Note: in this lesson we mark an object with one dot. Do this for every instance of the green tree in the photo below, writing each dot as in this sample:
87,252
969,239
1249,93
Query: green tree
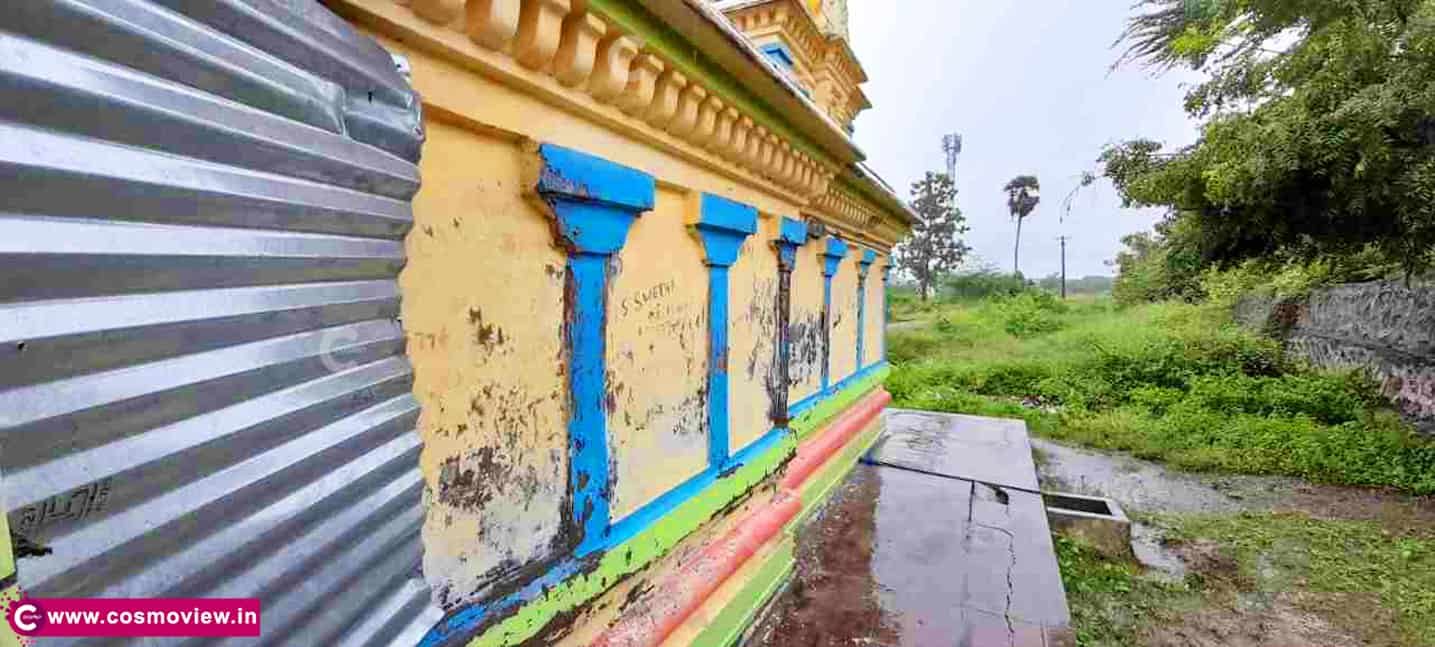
1319,128
935,247
1023,194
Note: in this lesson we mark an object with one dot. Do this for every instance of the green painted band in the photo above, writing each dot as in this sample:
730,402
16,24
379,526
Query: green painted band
727,627
660,538
818,416
638,552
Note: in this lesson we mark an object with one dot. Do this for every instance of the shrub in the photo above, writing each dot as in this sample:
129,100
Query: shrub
911,345
983,283
1031,313
1171,381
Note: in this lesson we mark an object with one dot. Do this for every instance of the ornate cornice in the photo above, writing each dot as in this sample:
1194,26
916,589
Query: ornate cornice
576,56
858,217
588,54
789,17
820,54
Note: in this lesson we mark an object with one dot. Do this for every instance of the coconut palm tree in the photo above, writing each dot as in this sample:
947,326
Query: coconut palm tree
1023,194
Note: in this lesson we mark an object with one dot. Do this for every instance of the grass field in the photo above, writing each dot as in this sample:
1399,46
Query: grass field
1180,384
1174,382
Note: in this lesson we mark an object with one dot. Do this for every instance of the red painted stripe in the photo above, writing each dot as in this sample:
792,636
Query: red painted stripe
677,595
816,452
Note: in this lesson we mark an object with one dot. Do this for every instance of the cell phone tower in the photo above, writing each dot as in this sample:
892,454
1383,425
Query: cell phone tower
952,146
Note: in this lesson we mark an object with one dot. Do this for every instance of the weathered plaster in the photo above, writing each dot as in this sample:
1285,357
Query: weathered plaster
515,621
874,335
805,328
844,318
485,298
483,313
753,370
657,366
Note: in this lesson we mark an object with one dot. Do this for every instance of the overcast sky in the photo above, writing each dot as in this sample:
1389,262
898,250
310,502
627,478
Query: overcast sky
1026,83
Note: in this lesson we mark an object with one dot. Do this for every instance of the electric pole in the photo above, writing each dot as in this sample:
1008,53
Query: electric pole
1063,240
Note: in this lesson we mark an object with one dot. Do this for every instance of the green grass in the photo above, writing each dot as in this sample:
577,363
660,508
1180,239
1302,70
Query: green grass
1171,381
1376,585
1110,603
1331,559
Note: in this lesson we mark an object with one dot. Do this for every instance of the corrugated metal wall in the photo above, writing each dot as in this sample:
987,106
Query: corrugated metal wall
203,390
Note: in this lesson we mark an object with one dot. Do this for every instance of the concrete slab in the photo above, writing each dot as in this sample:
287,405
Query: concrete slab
988,450
944,559
1019,525
954,558
918,561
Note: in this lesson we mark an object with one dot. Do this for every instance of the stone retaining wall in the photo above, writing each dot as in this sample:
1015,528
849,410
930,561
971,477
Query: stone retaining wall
1387,327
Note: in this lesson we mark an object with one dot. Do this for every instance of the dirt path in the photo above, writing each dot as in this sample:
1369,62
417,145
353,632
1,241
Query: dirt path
832,600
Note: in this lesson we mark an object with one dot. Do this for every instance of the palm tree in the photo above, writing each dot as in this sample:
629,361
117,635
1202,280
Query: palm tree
1023,194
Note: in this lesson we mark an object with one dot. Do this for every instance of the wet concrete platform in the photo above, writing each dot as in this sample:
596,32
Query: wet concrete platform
937,539
986,450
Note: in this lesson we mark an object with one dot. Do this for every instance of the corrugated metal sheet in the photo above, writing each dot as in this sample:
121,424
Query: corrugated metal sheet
203,390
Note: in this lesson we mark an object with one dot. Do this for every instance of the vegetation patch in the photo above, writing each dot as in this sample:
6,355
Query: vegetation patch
1170,381
1261,579
1111,603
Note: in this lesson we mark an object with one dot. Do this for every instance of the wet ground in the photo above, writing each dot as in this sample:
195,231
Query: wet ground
833,598
1276,613
904,554
910,553
1142,486
1145,488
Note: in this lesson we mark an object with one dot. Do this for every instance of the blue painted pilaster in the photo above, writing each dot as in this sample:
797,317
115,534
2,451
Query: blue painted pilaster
791,235
864,265
722,225
831,261
594,203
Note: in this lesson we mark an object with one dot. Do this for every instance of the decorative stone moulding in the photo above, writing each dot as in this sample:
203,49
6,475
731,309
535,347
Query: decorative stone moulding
833,73
850,210
583,51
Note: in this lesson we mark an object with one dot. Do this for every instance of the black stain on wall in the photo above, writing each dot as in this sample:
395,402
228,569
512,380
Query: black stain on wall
805,336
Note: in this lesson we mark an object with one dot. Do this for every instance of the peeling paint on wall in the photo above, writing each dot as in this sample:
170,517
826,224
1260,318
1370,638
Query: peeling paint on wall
844,319
805,328
754,371
483,295
876,303
657,358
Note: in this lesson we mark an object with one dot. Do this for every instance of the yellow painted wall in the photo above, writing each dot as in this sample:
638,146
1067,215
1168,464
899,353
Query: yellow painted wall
483,310
805,325
844,317
752,366
503,413
657,357
876,300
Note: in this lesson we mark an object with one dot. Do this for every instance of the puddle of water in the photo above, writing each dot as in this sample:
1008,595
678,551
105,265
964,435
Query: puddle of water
1147,487
1161,562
